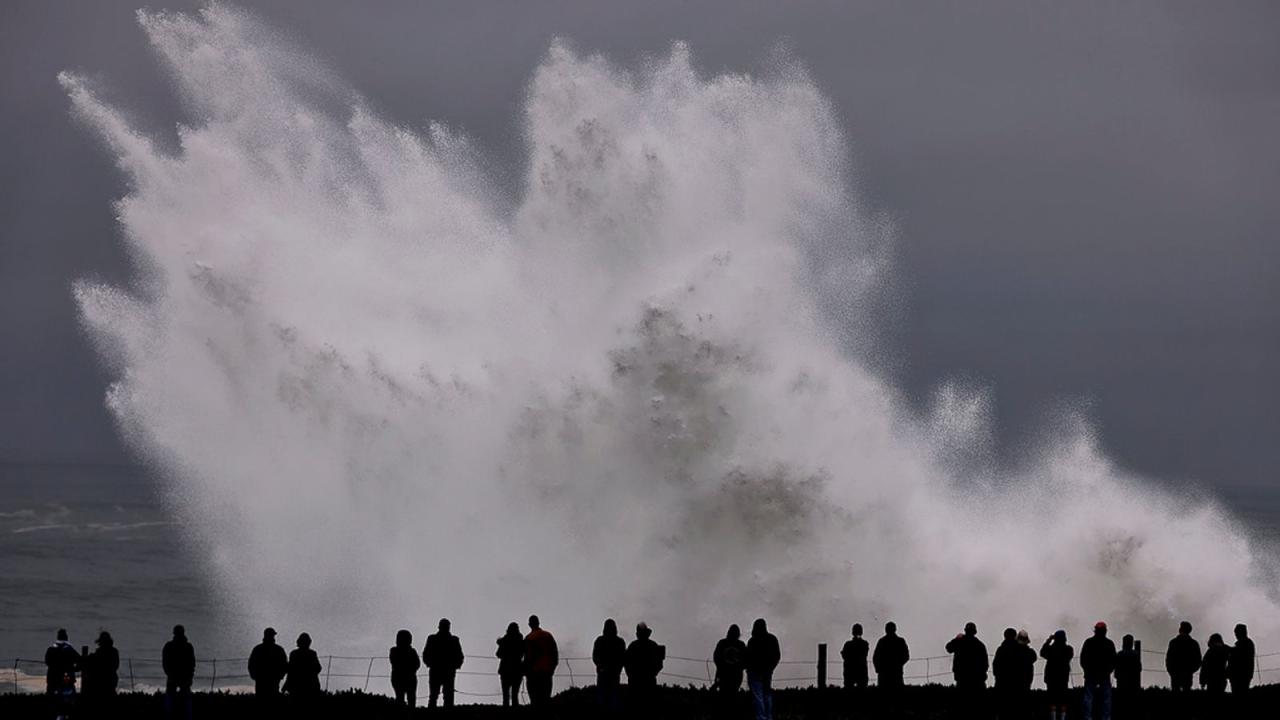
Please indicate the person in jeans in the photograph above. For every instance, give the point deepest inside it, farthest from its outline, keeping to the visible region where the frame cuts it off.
(1097, 662)
(763, 656)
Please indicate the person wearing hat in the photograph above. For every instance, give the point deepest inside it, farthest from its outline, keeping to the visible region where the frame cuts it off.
(1097, 662)
(268, 665)
(101, 670)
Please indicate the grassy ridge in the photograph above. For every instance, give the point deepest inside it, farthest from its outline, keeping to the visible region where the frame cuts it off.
(672, 703)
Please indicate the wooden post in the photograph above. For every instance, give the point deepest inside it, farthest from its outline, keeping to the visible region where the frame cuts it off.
(822, 666)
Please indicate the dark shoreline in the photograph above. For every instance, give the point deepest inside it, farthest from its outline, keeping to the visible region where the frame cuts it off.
(673, 703)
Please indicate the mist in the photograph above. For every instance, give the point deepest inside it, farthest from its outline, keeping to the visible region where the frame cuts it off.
(381, 392)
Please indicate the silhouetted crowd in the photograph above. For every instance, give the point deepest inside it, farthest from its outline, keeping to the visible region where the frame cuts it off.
(1109, 676)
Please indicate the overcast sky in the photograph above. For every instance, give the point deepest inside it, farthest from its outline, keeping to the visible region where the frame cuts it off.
(1085, 194)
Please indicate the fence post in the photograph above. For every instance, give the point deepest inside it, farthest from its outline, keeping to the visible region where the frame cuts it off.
(328, 668)
(15, 676)
(132, 686)
(213, 679)
(822, 666)
(367, 675)
(709, 678)
(568, 665)
(926, 671)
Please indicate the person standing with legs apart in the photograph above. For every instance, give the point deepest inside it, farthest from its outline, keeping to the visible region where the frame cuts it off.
(1057, 656)
(179, 662)
(541, 657)
(763, 656)
(511, 665)
(1097, 662)
(609, 654)
(443, 656)
(1183, 659)
(404, 669)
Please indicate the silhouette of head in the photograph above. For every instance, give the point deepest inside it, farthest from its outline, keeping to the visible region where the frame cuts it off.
(534, 622)
(1024, 637)
(890, 628)
(1100, 629)
(1126, 642)
(269, 635)
(304, 641)
(1242, 631)
(857, 629)
(734, 633)
(104, 639)
(445, 625)
(403, 638)
(610, 628)
(179, 632)
(643, 631)
(1184, 628)
(759, 627)
(1215, 639)
(1060, 636)
(513, 629)
(1010, 634)
(970, 629)
(62, 634)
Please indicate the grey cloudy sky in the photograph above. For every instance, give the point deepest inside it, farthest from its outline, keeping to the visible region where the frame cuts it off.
(1084, 193)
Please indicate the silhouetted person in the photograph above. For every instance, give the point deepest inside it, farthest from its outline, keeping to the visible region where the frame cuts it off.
(730, 658)
(268, 664)
(854, 655)
(763, 656)
(1213, 669)
(541, 657)
(62, 662)
(443, 657)
(179, 662)
(1182, 659)
(1057, 656)
(1013, 668)
(643, 661)
(511, 665)
(609, 655)
(101, 673)
(1097, 662)
(969, 668)
(1128, 678)
(404, 669)
(1240, 666)
(302, 678)
(890, 657)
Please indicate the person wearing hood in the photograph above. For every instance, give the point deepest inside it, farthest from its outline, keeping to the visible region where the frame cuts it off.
(609, 655)
(1213, 669)
(404, 669)
(1057, 656)
(1182, 659)
(643, 661)
(443, 657)
(62, 662)
(268, 664)
(511, 665)
(969, 665)
(730, 659)
(763, 656)
(178, 659)
(1097, 662)
(302, 676)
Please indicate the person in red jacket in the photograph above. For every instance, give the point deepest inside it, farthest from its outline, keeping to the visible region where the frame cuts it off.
(541, 657)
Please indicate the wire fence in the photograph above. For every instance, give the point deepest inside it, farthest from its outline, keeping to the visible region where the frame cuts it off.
(478, 678)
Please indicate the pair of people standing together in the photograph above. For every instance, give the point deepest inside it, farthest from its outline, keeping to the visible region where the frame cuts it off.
(758, 658)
